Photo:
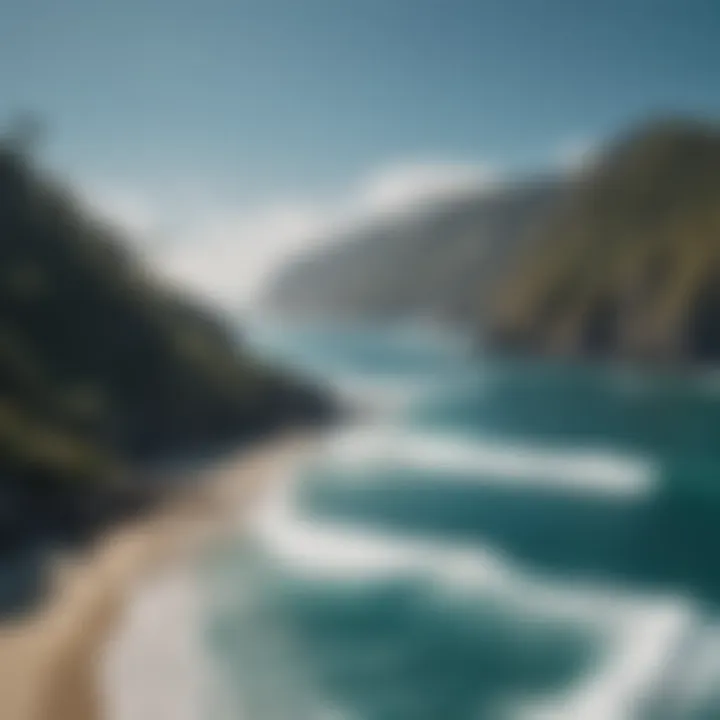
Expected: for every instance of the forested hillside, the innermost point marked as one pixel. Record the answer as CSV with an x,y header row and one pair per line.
x,y
102,367
630,263
620,259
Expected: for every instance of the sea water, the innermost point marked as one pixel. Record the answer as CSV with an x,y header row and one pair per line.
x,y
490,539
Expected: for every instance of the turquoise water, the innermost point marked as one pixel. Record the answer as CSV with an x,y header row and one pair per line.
x,y
490,540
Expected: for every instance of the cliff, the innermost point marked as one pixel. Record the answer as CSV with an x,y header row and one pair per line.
x,y
443,261
629,263
104,369
620,259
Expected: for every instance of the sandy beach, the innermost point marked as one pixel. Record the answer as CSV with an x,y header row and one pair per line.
x,y
51,661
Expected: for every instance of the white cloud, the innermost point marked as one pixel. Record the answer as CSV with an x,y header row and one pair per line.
x,y
229,255
129,211
225,252
576,154
403,185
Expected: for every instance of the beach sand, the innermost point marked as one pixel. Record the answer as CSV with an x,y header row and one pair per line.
x,y
51,662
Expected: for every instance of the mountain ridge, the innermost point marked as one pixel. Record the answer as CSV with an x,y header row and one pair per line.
x,y
104,369
618,258
375,270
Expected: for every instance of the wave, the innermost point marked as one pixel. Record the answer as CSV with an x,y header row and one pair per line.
x,y
490,461
646,637
636,635
383,396
155,666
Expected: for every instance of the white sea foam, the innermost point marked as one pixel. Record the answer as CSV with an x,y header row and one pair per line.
x,y
693,690
486,461
382,394
153,669
640,634
643,637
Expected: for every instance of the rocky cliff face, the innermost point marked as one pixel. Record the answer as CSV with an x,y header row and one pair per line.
x,y
103,368
629,263
620,260
442,261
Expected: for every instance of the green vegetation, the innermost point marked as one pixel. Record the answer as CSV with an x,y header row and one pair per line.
x,y
621,259
630,262
102,367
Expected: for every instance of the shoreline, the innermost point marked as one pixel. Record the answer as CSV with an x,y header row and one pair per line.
x,y
51,661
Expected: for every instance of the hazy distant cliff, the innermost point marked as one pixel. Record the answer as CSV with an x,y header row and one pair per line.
x,y
443,260
621,259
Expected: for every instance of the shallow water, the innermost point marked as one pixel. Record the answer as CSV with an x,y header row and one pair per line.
x,y
498,540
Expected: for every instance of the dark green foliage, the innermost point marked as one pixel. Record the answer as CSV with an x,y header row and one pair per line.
x,y
101,366
630,263
622,258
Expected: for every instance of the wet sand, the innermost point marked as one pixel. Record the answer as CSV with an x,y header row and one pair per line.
x,y
51,661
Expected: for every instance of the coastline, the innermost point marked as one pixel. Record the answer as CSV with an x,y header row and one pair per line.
x,y
52,661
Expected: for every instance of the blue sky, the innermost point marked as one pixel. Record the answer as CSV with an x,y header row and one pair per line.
x,y
247,104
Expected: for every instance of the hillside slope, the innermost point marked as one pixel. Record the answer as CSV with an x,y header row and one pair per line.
x,y
441,261
103,368
630,263
621,259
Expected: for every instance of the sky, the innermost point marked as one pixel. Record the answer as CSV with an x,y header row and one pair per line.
x,y
225,133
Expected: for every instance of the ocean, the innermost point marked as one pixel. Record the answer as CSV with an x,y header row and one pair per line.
x,y
485,539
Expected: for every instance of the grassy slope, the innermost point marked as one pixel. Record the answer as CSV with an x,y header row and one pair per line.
x,y
630,262
101,365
